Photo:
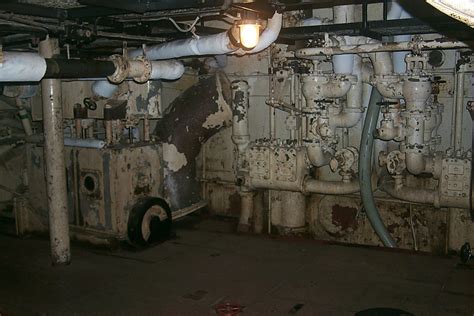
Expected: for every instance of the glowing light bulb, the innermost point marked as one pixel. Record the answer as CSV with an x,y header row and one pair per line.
x,y
249,35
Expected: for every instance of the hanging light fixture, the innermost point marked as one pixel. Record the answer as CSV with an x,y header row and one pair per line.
x,y
249,29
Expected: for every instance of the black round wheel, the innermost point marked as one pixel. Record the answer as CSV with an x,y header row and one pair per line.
x,y
149,222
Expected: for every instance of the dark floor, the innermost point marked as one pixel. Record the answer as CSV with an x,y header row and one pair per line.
x,y
191,274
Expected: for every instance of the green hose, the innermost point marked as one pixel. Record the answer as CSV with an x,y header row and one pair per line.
x,y
365,170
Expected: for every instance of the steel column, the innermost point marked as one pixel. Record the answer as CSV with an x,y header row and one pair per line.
x,y
54,161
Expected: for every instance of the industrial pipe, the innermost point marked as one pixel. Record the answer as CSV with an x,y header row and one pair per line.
x,y
240,122
441,43
191,119
365,170
246,211
415,195
163,69
311,185
343,64
56,186
458,111
18,67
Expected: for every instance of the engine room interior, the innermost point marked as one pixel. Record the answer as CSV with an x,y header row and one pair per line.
x,y
293,140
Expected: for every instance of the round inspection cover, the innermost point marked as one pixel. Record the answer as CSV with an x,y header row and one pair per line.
x,y
149,222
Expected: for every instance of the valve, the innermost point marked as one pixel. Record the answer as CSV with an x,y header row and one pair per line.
x,y
346,161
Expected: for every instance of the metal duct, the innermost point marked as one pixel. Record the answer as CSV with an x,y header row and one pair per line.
x,y
192,118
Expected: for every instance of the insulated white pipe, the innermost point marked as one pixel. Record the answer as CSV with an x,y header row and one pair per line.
x,y
18,67
163,69
398,58
84,143
217,44
343,64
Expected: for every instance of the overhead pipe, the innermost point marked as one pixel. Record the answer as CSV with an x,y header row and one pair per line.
x,y
343,64
22,67
218,44
163,69
441,43
56,185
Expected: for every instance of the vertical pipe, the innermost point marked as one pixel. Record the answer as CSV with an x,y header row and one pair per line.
x,y
246,211
54,161
458,110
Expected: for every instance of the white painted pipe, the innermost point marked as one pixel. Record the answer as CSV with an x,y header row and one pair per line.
x,y
317,155
56,186
84,143
397,12
216,44
330,187
441,43
415,195
246,211
104,88
343,64
240,122
163,69
458,110
351,114
19,66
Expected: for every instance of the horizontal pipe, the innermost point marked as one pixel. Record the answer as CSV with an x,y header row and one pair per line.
x,y
330,187
379,47
163,69
78,68
22,67
415,195
84,143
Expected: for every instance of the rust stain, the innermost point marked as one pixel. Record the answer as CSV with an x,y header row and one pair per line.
x,y
344,217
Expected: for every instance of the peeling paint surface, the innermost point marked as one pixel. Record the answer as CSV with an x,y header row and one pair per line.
x,y
224,113
173,158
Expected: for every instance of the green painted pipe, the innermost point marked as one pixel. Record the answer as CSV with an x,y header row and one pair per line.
x,y
365,170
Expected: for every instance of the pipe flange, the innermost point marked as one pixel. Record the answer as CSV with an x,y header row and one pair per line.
x,y
146,75
121,69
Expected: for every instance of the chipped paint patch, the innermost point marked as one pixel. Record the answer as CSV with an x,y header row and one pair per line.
x,y
224,112
173,158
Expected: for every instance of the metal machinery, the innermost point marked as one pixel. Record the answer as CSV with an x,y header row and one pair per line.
x,y
362,118
108,178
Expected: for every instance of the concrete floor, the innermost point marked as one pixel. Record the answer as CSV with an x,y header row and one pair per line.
x,y
191,274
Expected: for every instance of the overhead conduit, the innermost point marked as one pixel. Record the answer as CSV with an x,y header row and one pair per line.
x,y
218,44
